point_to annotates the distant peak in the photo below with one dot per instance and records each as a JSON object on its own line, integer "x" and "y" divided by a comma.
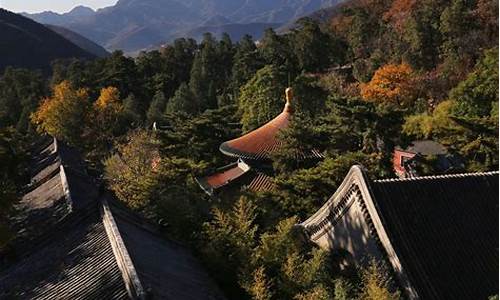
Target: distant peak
{"x": 81, "y": 10}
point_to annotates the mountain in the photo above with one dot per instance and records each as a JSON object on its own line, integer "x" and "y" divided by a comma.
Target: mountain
{"x": 48, "y": 17}
{"x": 131, "y": 25}
{"x": 80, "y": 41}
{"x": 26, "y": 43}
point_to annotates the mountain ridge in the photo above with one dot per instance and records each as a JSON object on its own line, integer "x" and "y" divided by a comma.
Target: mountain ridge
{"x": 28, "y": 44}
{"x": 124, "y": 25}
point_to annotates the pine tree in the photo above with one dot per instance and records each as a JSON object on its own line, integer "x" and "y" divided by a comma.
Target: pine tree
{"x": 204, "y": 73}
{"x": 246, "y": 62}
{"x": 261, "y": 99}
{"x": 132, "y": 111}
{"x": 156, "y": 108}
{"x": 183, "y": 101}
{"x": 312, "y": 47}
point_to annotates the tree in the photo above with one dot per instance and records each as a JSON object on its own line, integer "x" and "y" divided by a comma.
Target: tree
{"x": 311, "y": 46}
{"x": 204, "y": 73}
{"x": 246, "y": 63}
{"x": 133, "y": 114}
{"x": 198, "y": 138}
{"x": 478, "y": 93}
{"x": 230, "y": 238}
{"x": 63, "y": 114}
{"x": 261, "y": 285}
{"x": 106, "y": 120}
{"x": 130, "y": 172}
{"x": 421, "y": 34}
{"x": 304, "y": 191}
{"x": 278, "y": 51}
{"x": 20, "y": 92}
{"x": 156, "y": 108}
{"x": 260, "y": 99}
{"x": 121, "y": 72}
{"x": 375, "y": 283}
{"x": 13, "y": 171}
{"x": 391, "y": 84}
{"x": 182, "y": 102}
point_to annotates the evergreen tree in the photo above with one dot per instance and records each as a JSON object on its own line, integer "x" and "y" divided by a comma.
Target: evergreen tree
{"x": 20, "y": 93}
{"x": 204, "y": 73}
{"x": 311, "y": 46}
{"x": 156, "y": 108}
{"x": 261, "y": 98}
{"x": 133, "y": 113}
{"x": 278, "y": 51}
{"x": 182, "y": 102}
{"x": 246, "y": 63}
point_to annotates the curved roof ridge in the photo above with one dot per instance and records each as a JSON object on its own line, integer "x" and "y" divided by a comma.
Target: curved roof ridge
{"x": 357, "y": 176}
{"x": 441, "y": 176}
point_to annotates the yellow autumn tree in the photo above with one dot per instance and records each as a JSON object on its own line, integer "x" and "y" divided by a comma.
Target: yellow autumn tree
{"x": 62, "y": 114}
{"x": 392, "y": 83}
{"x": 109, "y": 100}
{"x": 105, "y": 120}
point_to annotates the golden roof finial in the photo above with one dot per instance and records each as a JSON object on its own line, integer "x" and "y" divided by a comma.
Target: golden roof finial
{"x": 289, "y": 95}
{"x": 289, "y": 99}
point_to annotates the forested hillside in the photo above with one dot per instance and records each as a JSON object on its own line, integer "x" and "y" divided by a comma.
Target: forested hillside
{"x": 28, "y": 44}
{"x": 378, "y": 74}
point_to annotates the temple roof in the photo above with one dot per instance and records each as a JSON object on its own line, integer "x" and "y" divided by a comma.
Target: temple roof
{"x": 262, "y": 142}
{"x": 236, "y": 174}
{"x": 91, "y": 247}
{"x": 425, "y": 147}
{"x": 439, "y": 233}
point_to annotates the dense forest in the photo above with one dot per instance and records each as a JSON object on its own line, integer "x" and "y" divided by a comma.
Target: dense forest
{"x": 379, "y": 74}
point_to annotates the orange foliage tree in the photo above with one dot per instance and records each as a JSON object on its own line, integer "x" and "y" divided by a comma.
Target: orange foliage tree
{"x": 63, "y": 114}
{"x": 391, "y": 84}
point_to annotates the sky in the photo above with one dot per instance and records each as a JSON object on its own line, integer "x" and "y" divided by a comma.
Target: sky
{"x": 60, "y": 6}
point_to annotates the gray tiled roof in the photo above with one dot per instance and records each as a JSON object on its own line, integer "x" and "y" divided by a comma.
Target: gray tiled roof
{"x": 76, "y": 262}
{"x": 445, "y": 231}
{"x": 76, "y": 246}
{"x": 439, "y": 233}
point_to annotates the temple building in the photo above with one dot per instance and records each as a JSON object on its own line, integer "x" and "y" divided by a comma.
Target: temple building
{"x": 74, "y": 241}
{"x": 407, "y": 161}
{"x": 437, "y": 234}
{"x": 253, "y": 154}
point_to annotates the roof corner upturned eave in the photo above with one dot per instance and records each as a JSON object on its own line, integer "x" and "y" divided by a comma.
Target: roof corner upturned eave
{"x": 357, "y": 176}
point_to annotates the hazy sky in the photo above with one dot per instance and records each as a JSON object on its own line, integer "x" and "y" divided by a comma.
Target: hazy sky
{"x": 59, "y": 6}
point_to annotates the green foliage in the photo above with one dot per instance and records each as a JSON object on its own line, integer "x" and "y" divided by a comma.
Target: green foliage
{"x": 260, "y": 289}
{"x": 304, "y": 191}
{"x": 130, "y": 173}
{"x": 13, "y": 171}
{"x": 261, "y": 99}
{"x": 246, "y": 63}
{"x": 20, "y": 92}
{"x": 182, "y": 102}
{"x": 133, "y": 114}
{"x": 478, "y": 93}
{"x": 277, "y": 50}
{"x": 375, "y": 280}
{"x": 312, "y": 47}
{"x": 199, "y": 138}
{"x": 204, "y": 74}
{"x": 230, "y": 238}
{"x": 156, "y": 108}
